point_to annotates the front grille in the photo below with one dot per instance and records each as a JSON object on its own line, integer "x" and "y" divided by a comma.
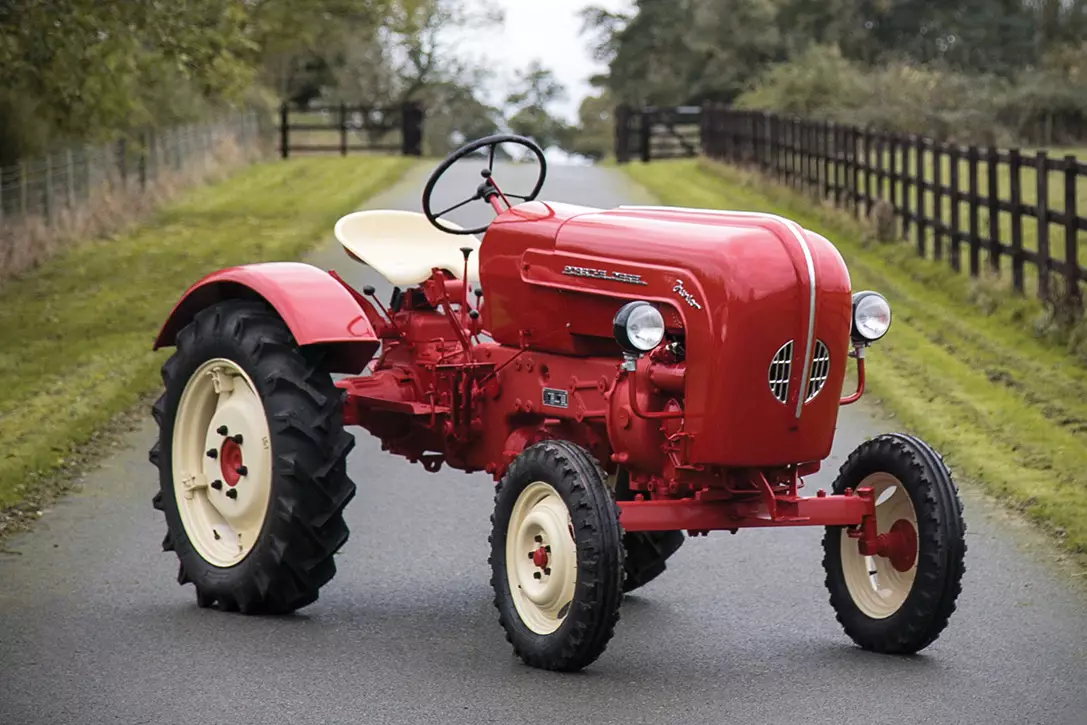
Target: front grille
{"x": 778, "y": 374}
{"x": 820, "y": 369}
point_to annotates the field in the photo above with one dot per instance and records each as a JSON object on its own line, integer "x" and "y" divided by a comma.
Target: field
{"x": 78, "y": 331}
{"x": 1006, "y": 408}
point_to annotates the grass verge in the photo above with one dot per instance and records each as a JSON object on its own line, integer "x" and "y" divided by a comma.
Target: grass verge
{"x": 1006, "y": 407}
{"x": 77, "y": 332}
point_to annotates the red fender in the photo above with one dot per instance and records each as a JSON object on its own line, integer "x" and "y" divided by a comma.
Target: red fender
{"x": 317, "y": 308}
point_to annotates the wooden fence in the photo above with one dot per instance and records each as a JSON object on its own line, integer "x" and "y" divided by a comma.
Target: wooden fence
{"x": 342, "y": 128}
{"x": 954, "y": 201}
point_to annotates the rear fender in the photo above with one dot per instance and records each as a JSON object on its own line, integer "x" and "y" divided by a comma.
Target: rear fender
{"x": 318, "y": 309}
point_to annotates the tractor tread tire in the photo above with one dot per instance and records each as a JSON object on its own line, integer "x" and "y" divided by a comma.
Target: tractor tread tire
{"x": 304, "y": 526}
{"x": 594, "y": 612}
{"x": 941, "y": 540}
{"x": 647, "y": 553}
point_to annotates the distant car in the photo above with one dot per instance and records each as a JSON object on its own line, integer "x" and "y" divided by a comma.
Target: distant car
{"x": 624, "y": 375}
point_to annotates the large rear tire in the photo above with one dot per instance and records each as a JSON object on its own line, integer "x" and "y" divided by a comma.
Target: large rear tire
{"x": 556, "y": 557}
{"x": 252, "y": 462}
{"x": 898, "y": 604}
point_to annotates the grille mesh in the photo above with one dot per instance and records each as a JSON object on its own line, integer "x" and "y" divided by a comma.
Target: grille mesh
{"x": 820, "y": 369}
{"x": 778, "y": 374}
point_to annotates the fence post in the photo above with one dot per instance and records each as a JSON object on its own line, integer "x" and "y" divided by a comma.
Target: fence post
{"x": 937, "y": 200}
{"x": 836, "y": 134}
{"x": 645, "y": 132}
{"x": 955, "y": 238}
{"x": 22, "y": 188}
{"x": 866, "y": 136}
{"x": 412, "y": 116}
{"x": 142, "y": 161}
{"x": 993, "y": 159}
{"x": 622, "y": 133}
{"x": 69, "y": 170}
{"x": 284, "y": 132}
{"x": 1015, "y": 197}
{"x": 1041, "y": 165}
{"x": 1071, "y": 247}
{"x": 892, "y": 173}
{"x": 975, "y": 240}
{"x": 920, "y": 184}
{"x": 47, "y": 197}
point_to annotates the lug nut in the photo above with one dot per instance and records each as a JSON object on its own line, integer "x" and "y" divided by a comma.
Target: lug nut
{"x": 241, "y": 470}
{"x": 547, "y": 570}
{"x": 232, "y": 493}
{"x": 531, "y": 555}
{"x": 212, "y": 453}
{"x": 538, "y": 539}
{"x": 222, "y": 430}
{"x": 217, "y": 484}
{"x": 536, "y": 575}
{"x": 238, "y": 439}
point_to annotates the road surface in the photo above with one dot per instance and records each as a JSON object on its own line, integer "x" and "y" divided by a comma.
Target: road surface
{"x": 94, "y": 628}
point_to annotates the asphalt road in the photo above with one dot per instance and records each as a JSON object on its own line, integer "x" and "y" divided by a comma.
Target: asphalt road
{"x": 94, "y": 628}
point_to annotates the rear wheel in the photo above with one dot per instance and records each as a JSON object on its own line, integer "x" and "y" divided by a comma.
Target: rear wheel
{"x": 556, "y": 557}
{"x": 901, "y": 602}
{"x": 252, "y": 462}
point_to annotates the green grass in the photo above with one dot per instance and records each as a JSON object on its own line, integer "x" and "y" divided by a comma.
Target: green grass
{"x": 77, "y": 333}
{"x": 1007, "y": 409}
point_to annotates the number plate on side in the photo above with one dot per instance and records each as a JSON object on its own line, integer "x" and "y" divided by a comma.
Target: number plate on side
{"x": 555, "y": 398}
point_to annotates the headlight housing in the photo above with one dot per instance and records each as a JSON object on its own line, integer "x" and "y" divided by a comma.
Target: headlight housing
{"x": 871, "y": 317}
{"x": 638, "y": 327}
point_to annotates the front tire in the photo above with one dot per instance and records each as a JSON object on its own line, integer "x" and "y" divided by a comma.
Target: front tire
{"x": 898, "y": 604}
{"x": 556, "y": 557}
{"x": 252, "y": 462}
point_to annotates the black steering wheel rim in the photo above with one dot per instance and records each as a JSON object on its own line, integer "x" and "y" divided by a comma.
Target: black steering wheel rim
{"x": 483, "y": 192}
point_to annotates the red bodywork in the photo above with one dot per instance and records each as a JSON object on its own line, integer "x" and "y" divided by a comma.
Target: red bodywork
{"x": 695, "y": 424}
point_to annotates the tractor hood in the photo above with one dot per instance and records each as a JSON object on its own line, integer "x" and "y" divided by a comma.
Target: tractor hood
{"x": 762, "y": 304}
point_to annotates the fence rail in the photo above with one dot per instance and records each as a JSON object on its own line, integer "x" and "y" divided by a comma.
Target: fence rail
{"x": 342, "y": 128}
{"x": 954, "y": 201}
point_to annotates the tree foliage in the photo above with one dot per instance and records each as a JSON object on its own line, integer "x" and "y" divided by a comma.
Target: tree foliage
{"x": 985, "y": 66}
{"x": 88, "y": 70}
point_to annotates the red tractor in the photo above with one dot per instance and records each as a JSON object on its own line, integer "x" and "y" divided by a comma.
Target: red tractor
{"x": 624, "y": 375}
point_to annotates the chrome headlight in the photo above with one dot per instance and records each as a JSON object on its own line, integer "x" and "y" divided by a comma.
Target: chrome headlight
{"x": 638, "y": 327}
{"x": 871, "y": 316}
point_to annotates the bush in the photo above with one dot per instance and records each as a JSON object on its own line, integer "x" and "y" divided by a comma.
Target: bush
{"x": 930, "y": 100}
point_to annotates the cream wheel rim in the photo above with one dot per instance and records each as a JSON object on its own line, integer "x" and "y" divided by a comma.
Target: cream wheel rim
{"x": 541, "y": 558}
{"x": 221, "y": 462}
{"x": 878, "y": 587}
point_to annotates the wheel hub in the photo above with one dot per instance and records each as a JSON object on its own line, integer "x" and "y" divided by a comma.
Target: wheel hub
{"x": 541, "y": 558}
{"x": 222, "y": 462}
{"x": 880, "y": 577}
{"x": 230, "y": 462}
{"x": 901, "y": 545}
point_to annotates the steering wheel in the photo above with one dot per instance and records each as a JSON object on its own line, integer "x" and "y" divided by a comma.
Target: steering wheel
{"x": 488, "y": 189}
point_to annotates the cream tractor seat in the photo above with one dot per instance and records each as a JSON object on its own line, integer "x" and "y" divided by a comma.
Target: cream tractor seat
{"x": 403, "y": 246}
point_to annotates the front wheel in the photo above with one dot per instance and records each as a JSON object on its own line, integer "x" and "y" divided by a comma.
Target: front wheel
{"x": 252, "y": 462}
{"x": 556, "y": 557}
{"x": 901, "y": 602}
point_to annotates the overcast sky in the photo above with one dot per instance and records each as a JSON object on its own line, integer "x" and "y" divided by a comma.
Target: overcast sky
{"x": 547, "y": 30}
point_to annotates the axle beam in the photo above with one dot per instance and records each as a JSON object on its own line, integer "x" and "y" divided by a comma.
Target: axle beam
{"x": 850, "y": 509}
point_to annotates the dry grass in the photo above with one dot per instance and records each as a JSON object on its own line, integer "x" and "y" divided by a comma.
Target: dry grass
{"x": 27, "y": 242}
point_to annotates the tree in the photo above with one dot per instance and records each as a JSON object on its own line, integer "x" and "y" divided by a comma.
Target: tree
{"x": 534, "y": 90}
